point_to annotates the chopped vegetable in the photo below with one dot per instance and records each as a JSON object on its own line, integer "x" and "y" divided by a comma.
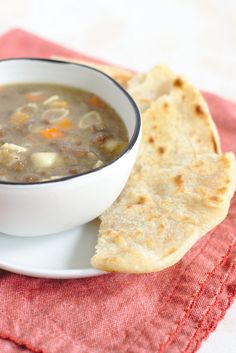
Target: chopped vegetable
{"x": 96, "y": 102}
{"x": 55, "y": 114}
{"x": 8, "y": 158}
{"x": 29, "y": 108}
{"x": 44, "y": 159}
{"x": 52, "y": 133}
{"x": 120, "y": 148}
{"x": 65, "y": 124}
{"x": 90, "y": 119}
{"x": 98, "y": 164}
{"x": 13, "y": 147}
{"x": 3, "y": 178}
{"x": 50, "y": 100}
{"x": 10, "y": 154}
{"x": 59, "y": 104}
{"x": 19, "y": 118}
{"x": 56, "y": 102}
{"x": 92, "y": 155}
{"x": 54, "y": 177}
{"x": 111, "y": 144}
{"x": 34, "y": 97}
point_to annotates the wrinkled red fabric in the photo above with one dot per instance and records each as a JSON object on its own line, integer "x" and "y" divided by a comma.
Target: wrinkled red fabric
{"x": 168, "y": 312}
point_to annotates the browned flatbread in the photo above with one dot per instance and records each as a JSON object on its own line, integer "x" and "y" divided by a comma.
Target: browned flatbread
{"x": 181, "y": 107}
{"x": 163, "y": 211}
{"x": 180, "y": 188}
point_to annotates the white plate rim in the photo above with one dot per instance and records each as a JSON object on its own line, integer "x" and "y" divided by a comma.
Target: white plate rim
{"x": 53, "y": 274}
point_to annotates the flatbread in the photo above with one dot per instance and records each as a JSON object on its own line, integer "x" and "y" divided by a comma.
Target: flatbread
{"x": 182, "y": 107}
{"x": 172, "y": 132}
{"x": 146, "y": 88}
{"x": 163, "y": 212}
{"x": 180, "y": 187}
{"x": 122, "y": 76}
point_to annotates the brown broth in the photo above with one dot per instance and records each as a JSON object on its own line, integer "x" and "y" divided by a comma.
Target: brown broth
{"x": 78, "y": 131}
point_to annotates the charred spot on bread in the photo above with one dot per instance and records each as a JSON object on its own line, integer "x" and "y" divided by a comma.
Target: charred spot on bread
{"x": 199, "y": 110}
{"x": 178, "y": 82}
{"x": 213, "y": 140}
{"x": 151, "y": 139}
{"x": 161, "y": 150}
{"x": 179, "y": 180}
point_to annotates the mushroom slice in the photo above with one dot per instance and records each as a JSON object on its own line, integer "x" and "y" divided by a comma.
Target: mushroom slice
{"x": 50, "y": 100}
{"x": 43, "y": 160}
{"x": 54, "y": 115}
{"x": 13, "y": 148}
{"x": 90, "y": 119}
{"x": 29, "y": 108}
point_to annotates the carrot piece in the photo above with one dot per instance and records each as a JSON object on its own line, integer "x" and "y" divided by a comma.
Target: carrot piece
{"x": 52, "y": 133}
{"x": 32, "y": 98}
{"x": 95, "y": 101}
{"x": 19, "y": 118}
{"x": 59, "y": 104}
{"x": 65, "y": 124}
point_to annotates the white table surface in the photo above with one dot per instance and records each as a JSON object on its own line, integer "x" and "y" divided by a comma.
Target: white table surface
{"x": 194, "y": 37}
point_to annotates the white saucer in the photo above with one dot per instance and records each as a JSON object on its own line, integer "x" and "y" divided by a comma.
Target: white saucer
{"x": 62, "y": 255}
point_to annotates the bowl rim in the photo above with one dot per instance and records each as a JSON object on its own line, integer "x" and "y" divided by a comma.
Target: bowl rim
{"x": 132, "y": 141}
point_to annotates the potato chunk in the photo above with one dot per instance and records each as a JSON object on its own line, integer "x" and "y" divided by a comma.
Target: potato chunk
{"x": 43, "y": 160}
{"x": 111, "y": 144}
{"x": 98, "y": 164}
{"x": 8, "y": 158}
{"x": 90, "y": 119}
{"x": 13, "y": 148}
{"x": 10, "y": 154}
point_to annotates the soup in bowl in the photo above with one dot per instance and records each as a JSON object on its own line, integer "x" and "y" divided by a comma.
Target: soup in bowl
{"x": 48, "y": 132}
{"x": 69, "y": 136}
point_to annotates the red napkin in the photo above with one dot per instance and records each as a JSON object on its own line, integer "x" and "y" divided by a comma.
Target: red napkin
{"x": 167, "y": 312}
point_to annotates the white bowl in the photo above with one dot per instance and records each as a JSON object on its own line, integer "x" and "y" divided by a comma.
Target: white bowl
{"x": 55, "y": 206}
